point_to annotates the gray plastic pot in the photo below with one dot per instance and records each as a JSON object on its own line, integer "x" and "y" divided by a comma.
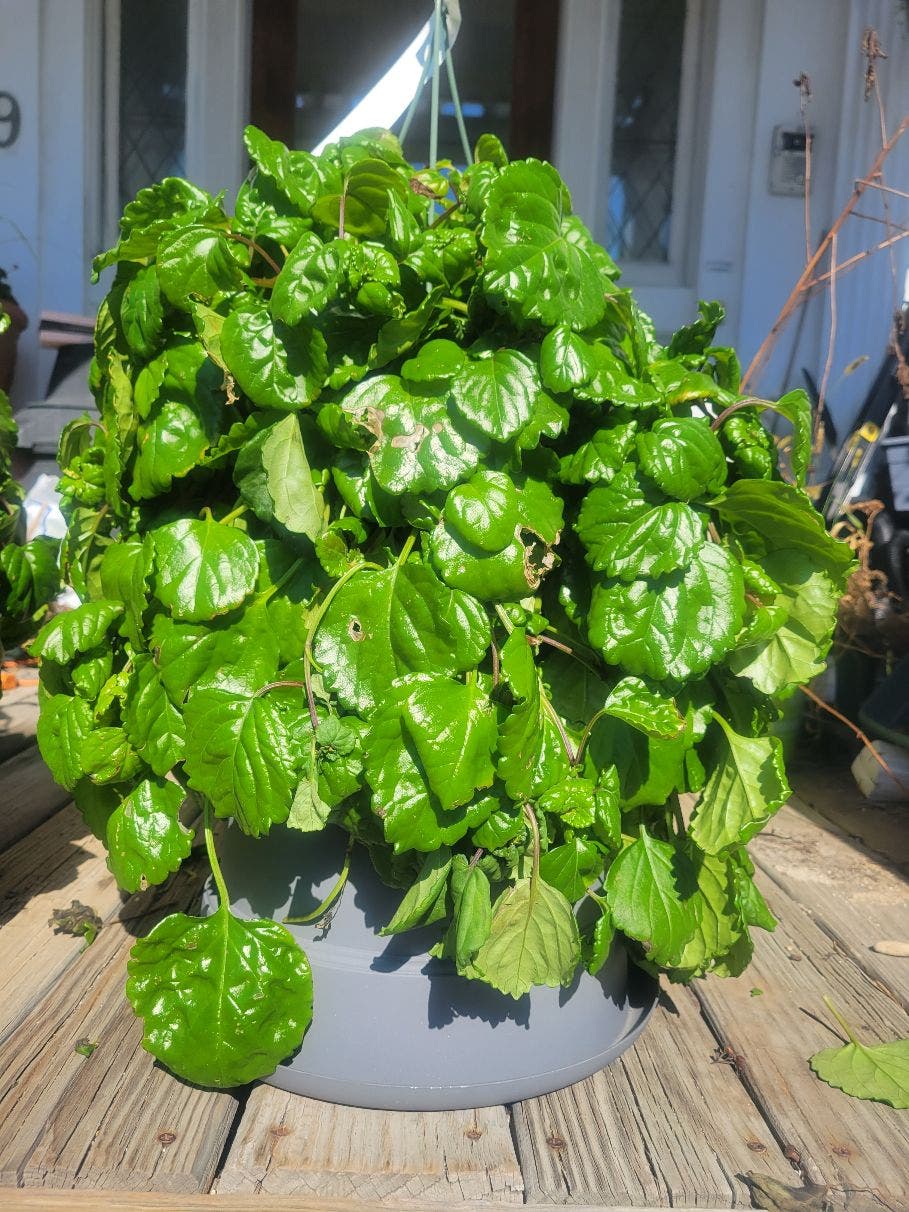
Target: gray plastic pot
{"x": 393, "y": 1028}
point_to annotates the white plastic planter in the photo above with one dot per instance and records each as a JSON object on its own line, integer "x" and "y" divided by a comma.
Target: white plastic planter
{"x": 393, "y": 1028}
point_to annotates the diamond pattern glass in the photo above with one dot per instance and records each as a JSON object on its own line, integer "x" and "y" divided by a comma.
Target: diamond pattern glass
{"x": 152, "y": 93}
{"x": 645, "y": 129}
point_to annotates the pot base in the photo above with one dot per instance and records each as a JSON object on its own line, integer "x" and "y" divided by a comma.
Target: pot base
{"x": 397, "y": 1030}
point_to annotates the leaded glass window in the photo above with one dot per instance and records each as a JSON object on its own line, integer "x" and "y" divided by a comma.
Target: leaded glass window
{"x": 152, "y": 94}
{"x": 645, "y": 129}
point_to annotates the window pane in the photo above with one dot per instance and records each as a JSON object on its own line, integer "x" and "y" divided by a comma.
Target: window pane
{"x": 645, "y": 129}
{"x": 152, "y": 93}
{"x": 346, "y": 45}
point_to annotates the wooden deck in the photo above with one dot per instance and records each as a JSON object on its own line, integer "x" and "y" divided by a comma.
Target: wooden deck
{"x": 668, "y": 1125}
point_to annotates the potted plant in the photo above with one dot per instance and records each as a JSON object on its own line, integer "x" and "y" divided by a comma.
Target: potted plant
{"x": 399, "y": 522}
{"x": 13, "y": 321}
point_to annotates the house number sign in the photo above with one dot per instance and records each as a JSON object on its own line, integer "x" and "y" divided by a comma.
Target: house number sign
{"x": 10, "y": 119}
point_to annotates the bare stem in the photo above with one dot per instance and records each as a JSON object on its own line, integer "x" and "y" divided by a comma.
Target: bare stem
{"x": 866, "y": 741}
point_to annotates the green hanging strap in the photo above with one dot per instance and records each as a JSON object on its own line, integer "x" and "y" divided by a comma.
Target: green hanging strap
{"x": 439, "y": 48}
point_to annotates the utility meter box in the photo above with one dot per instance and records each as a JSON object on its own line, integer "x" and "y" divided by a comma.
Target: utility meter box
{"x": 787, "y": 162}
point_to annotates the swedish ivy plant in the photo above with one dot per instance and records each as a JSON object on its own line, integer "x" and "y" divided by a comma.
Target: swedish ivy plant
{"x": 29, "y": 572}
{"x": 399, "y": 519}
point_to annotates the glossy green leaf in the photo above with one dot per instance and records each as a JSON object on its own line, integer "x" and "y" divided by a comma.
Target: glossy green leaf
{"x": 644, "y": 708}
{"x": 453, "y": 729}
{"x": 382, "y": 625}
{"x": 275, "y": 366}
{"x": 168, "y": 445}
{"x": 645, "y": 894}
{"x": 124, "y": 572}
{"x": 422, "y": 896}
{"x": 273, "y": 475}
{"x": 142, "y": 312}
{"x": 715, "y": 914}
{"x": 243, "y": 753}
{"x": 533, "y": 940}
{"x": 145, "y": 839}
{"x": 497, "y": 393}
{"x": 63, "y": 725}
{"x": 224, "y": 1001}
{"x": 417, "y": 446}
{"x": 310, "y": 279}
{"x": 484, "y": 511}
{"x": 675, "y": 627}
{"x": 108, "y": 756}
{"x": 32, "y": 575}
{"x": 497, "y": 576}
{"x": 536, "y": 270}
{"x": 572, "y": 867}
{"x": 746, "y": 786}
{"x": 202, "y": 569}
{"x": 196, "y": 262}
{"x": 472, "y": 917}
{"x": 565, "y": 361}
{"x": 599, "y": 458}
{"x": 532, "y": 755}
{"x": 153, "y": 724}
{"x": 75, "y": 631}
{"x": 628, "y": 536}
{"x": 684, "y": 457}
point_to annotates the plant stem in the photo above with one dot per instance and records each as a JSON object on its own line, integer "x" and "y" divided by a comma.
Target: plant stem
{"x": 280, "y": 583}
{"x": 233, "y": 235}
{"x": 839, "y": 1018}
{"x": 332, "y": 896}
{"x": 223, "y": 897}
{"x": 454, "y": 304}
{"x": 233, "y": 515}
{"x": 504, "y": 619}
{"x": 407, "y": 548}
{"x": 531, "y": 819}
{"x": 585, "y": 735}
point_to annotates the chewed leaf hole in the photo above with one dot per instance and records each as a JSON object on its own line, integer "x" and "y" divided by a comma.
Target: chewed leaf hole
{"x": 355, "y": 630}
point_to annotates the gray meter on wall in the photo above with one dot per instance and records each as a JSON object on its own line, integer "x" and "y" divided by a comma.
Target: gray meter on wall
{"x": 787, "y": 162}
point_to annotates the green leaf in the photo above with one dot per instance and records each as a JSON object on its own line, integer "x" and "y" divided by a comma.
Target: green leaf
{"x": 145, "y": 839}
{"x": 643, "y": 708}
{"x": 565, "y": 360}
{"x": 63, "y": 725}
{"x": 453, "y": 729}
{"x": 242, "y": 753}
{"x": 142, "y": 313}
{"x": 794, "y": 652}
{"x": 532, "y": 756}
{"x": 382, "y": 625}
{"x": 499, "y": 576}
{"x": 879, "y": 1072}
{"x": 599, "y": 458}
{"x": 746, "y": 786}
{"x": 310, "y": 279}
{"x": 533, "y": 940}
{"x": 683, "y": 455}
{"x": 196, "y": 262}
{"x": 308, "y": 812}
{"x": 597, "y": 947}
{"x": 418, "y": 447}
{"x": 572, "y": 867}
{"x": 124, "y": 572}
{"x": 646, "y": 901}
{"x": 32, "y": 573}
{"x": 153, "y": 724}
{"x": 673, "y": 628}
{"x": 273, "y": 475}
{"x": 472, "y": 917}
{"x": 796, "y": 407}
{"x": 484, "y": 511}
{"x": 694, "y": 338}
{"x": 769, "y": 516}
{"x": 627, "y": 535}
{"x": 90, "y": 672}
{"x": 412, "y": 816}
{"x": 75, "y": 631}
{"x": 423, "y": 895}
{"x": 169, "y": 445}
{"x": 275, "y": 366}
{"x": 108, "y": 756}
{"x": 536, "y": 269}
{"x": 366, "y": 192}
{"x": 223, "y": 1000}
{"x": 437, "y": 360}
{"x": 497, "y": 393}
{"x": 715, "y": 914}
{"x": 203, "y": 569}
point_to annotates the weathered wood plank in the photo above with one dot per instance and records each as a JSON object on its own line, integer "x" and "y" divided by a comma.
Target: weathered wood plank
{"x": 28, "y": 795}
{"x": 851, "y": 1145}
{"x": 113, "y": 1119}
{"x": 854, "y": 898}
{"x": 46, "y": 870}
{"x": 288, "y": 1145}
{"x": 18, "y": 719}
{"x": 128, "y": 1201}
{"x": 831, "y": 791}
{"x": 663, "y": 1126}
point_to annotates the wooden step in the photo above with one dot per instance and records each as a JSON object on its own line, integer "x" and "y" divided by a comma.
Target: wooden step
{"x": 28, "y": 795}
{"x": 18, "y": 720}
